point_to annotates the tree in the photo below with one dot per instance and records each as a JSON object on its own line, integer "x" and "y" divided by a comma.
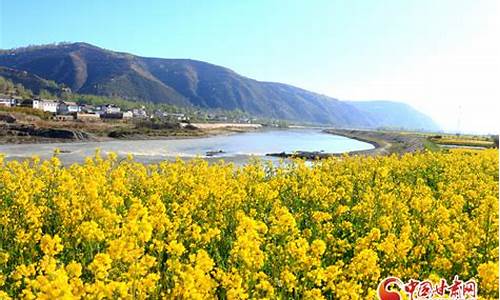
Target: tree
{"x": 6, "y": 86}
{"x": 44, "y": 94}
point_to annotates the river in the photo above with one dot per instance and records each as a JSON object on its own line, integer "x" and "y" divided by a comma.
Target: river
{"x": 237, "y": 148}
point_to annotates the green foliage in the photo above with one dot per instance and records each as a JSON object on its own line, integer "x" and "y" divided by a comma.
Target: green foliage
{"x": 44, "y": 94}
{"x": 431, "y": 146}
{"x": 25, "y": 80}
{"x": 101, "y": 100}
{"x": 7, "y": 87}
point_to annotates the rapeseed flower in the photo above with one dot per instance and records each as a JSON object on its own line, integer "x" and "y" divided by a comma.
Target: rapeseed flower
{"x": 111, "y": 228}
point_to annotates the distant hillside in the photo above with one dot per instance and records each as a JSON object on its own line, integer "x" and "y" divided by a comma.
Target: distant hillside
{"x": 88, "y": 69}
{"x": 91, "y": 70}
{"x": 392, "y": 114}
{"x": 30, "y": 81}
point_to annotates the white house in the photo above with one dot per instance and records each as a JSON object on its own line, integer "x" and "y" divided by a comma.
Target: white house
{"x": 127, "y": 114}
{"x": 108, "y": 109}
{"x": 160, "y": 114}
{"x": 7, "y": 101}
{"x": 48, "y": 106}
{"x": 139, "y": 113}
{"x": 177, "y": 116}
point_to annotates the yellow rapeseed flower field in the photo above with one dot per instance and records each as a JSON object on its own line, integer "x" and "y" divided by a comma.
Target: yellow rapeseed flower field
{"x": 111, "y": 228}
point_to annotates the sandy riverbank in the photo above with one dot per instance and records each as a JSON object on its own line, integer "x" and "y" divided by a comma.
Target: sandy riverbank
{"x": 384, "y": 143}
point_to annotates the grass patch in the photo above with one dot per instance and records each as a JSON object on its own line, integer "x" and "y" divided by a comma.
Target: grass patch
{"x": 458, "y": 141}
{"x": 28, "y": 111}
{"x": 431, "y": 146}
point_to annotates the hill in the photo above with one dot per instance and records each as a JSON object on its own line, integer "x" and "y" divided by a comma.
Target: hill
{"x": 396, "y": 115}
{"x": 88, "y": 69}
{"x": 91, "y": 70}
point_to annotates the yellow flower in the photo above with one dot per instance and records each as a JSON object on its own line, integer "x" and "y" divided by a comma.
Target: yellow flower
{"x": 194, "y": 230}
{"x": 313, "y": 294}
{"x": 320, "y": 216}
{"x": 364, "y": 265}
{"x": 175, "y": 248}
{"x": 4, "y": 296}
{"x": 289, "y": 280}
{"x": 247, "y": 245}
{"x": 100, "y": 265}
{"x": 4, "y": 257}
{"x": 51, "y": 245}
{"x": 488, "y": 276}
{"x": 318, "y": 247}
{"x": 90, "y": 231}
{"x": 74, "y": 269}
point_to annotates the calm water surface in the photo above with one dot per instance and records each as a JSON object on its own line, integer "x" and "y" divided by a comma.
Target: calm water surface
{"x": 237, "y": 147}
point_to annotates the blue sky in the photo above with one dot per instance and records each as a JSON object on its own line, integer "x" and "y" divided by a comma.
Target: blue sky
{"x": 441, "y": 56}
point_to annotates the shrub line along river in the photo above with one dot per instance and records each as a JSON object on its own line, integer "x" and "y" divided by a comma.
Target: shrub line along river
{"x": 237, "y": 148}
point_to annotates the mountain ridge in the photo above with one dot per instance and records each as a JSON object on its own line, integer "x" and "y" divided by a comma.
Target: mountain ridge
{"x": 89, "y": 69}
{"x": 394, "y": 114}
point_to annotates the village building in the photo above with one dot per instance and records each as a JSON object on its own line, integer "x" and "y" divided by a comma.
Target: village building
{"x": 66, "y": 107}
{"x": 244, "y": 120}
{"x": 7, "y": 101}
{"x": 48, "y": 106}
{"x": 160, "y": 114}
{"x": 30, "y": 103}
{"x": 127, "y": 115}
{"x": 177, "y": 116}
{"x": 107, "y": 109}
{"x": 139, "y": 113}
{"x": 219, "y": 118}
{"x": 87, "y": 108}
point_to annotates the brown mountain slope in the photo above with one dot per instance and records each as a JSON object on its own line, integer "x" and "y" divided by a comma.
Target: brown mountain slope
{"x": 92, "y": 70}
